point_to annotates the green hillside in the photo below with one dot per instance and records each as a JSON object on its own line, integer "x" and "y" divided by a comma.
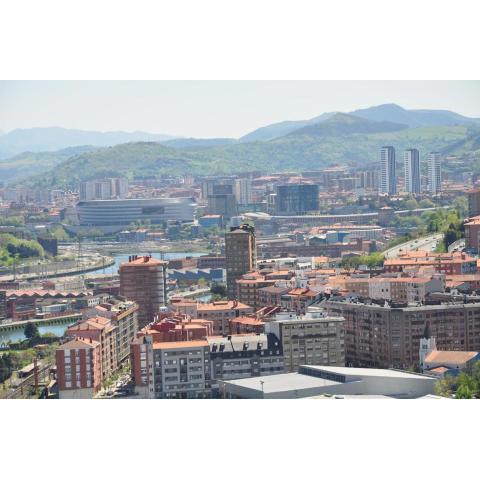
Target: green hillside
{"x": 299, "y": 151}
{"x": 341, "y": 124}
{"x": 26, "y": 164}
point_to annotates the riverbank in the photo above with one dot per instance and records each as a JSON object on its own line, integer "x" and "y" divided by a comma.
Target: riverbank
{"x": 52, "y": 270}
{"x": 112, "y": 248}
{"x": 14, "y": 331}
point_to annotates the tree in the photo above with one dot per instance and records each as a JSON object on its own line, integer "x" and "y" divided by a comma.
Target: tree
{"x": 445, "y": 387}
{"x": 426, "y": 203}
{"x": 451, "y": 235}
{"x": 466, "y": 386}
{"x": 31, "y": 331}
{"x": 218, "y": 289}
{"x": 411, "y": 204}
{"x": 373, "y": 260}
{"x": 461, "y": 206}
{"x": 6, "y": 366}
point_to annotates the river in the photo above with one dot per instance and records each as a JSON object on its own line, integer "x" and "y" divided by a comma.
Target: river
{"x": 113, "y": 269}
{"x": 17, "y": 334}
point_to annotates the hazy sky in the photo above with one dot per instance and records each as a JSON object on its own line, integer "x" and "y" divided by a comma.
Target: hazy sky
{"x": 212, "y": 108}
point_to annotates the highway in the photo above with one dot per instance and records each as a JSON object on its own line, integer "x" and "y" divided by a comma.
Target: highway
{"x": 426, "y": 243}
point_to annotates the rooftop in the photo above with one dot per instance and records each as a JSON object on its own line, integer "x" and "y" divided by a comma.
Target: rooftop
{"x": 283, "y": 382}
{"x": 177, "y": 345}
{"x": 366, "y": 372}
{"x": 221, "y": 305}
{"x": 247, "y": 321}
{"x": 78, "y": 343}
{"x": 143, "y": 261}
{"x": 449, "y": 357}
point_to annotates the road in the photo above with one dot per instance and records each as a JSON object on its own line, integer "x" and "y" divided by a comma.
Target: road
{"x": 426, "y": 243}
{"x": 191, "y": 294}
{"x": 459, "y": 245}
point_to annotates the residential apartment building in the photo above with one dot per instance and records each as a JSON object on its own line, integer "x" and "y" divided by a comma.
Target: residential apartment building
{"x": 455, "y": 263}
{"x": 299, "y": 299}
{"x": 144, "y": 280}
{"x": 102, "y": 331}
{"x": 171, "y": 369}
{"x": 472, "y": 234}
{"x": 221, "y": 312}
{"x": 402, "y": 289}
{"x": 244, "y": 356}
{"x": 311, "y": 339}
{"x": 123, "y": 316}
{"x": 379, "y": 335}
{"x": 243, "y": 191}
{"x": 434, "y": 171}
{"x": 79, "y": 369}
{"x": 388, "y": 177}
{"x": 241, "y": 325}
{"x": 474, "y": 202}
{"x": 223, "y": 204}
{"x": 240, "y": 255}
{"x": 178, "y": 328}
{"x": 411, "y": 160}
{"x": 269, "y": 296}
{"x": 249, "y": 286}
{"x": 103, "y": 189}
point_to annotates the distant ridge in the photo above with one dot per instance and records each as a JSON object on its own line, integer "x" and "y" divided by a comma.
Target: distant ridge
{"x": 276, "y": 130}
{"x": 56, "y": 138}
{"x": 198, "y": 142}
{"x": 389, "y": 112}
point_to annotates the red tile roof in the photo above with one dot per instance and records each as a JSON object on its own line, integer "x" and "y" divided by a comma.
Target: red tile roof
{"x": 143, "y": 261}
{"x": 449, "y": 357}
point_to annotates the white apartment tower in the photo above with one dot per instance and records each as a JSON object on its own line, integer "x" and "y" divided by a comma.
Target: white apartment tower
{"x": 243, "y": 191}
{"x": 434, "y": 172}
{"x": 411, "y": 161}
{"x": 388, "y": 179}
{"x": 104, "y": 189}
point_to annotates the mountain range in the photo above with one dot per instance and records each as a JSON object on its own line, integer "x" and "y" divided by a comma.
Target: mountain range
{"x": 331, "y": 138}
{"x": 56, "y": 138}
{"x": 388, "y": 112}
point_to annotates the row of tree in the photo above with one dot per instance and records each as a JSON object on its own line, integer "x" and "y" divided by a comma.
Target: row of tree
{"x": 372, "y": 260}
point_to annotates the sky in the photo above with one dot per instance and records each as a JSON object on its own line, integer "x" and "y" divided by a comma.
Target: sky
{"x": 207, "y": 109}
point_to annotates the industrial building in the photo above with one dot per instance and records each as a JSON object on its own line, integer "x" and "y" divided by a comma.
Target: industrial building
{"x": 318, "y": 381}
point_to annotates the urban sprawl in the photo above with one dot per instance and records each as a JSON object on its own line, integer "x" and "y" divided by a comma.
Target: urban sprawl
{"x": 342, "y": 282}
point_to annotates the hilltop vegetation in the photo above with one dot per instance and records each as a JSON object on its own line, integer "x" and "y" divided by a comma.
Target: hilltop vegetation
{"x": 12, "y": 247}
{"x": 29, "y": 163}
{"x": 296, "y": 151}
{"x": 342, "y": 124}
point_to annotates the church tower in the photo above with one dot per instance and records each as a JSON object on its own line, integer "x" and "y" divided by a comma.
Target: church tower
{"x": 427, "y": 345}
